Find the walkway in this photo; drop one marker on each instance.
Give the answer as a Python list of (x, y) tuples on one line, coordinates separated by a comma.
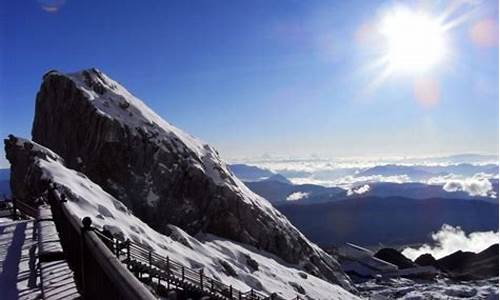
[(18, 261)]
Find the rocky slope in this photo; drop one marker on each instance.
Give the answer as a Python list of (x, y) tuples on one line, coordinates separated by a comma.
[(163, 175), (463, 265), (242, 266)]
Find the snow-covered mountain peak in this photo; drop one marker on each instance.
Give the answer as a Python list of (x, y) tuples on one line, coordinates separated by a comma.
[(162, 174), (115, 102)]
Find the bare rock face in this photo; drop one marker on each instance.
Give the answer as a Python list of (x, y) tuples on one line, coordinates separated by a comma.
[(162, 174), (26, 178)]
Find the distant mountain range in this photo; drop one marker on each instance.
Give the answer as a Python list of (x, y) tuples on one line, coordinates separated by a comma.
[(250, 173), (415, 172), (380, 212), (391, 220), (279, 190), (422, 172)]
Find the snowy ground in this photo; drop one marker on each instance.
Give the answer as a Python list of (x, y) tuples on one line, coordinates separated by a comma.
[(428, 290), (18, 277)]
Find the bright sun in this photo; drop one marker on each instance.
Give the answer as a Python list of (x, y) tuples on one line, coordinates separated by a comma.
[(413, 41)]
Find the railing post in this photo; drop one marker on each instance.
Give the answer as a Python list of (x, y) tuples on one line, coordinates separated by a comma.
[(150, 260), (128, 253), (14, 213), (201, 279), (211, 285), (116, 246), (230, 292), (239, 295), (86, 222), (168, 265), (182, 270)]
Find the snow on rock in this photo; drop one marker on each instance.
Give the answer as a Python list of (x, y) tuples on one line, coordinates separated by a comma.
[(162, 174), (252, 268)]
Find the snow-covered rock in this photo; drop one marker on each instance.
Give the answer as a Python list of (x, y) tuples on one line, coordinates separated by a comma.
[(35, 167), (162, 174)]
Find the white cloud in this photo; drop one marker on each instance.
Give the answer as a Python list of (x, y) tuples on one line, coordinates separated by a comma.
[(297, 196), (359, 190), (450, 239), (477, 185), (347, 182)]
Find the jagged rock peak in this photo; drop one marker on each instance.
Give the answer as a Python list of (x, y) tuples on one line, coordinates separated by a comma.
[(164, 175)]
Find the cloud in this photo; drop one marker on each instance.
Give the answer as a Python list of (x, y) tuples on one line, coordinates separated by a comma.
[(450, 239), (477, 185), (359, 190), (347, 182), (297, 196), (51, 6)]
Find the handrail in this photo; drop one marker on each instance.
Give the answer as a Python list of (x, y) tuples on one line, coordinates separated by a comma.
[(137, 253), (99, 274), (24, 208), (95, 260)]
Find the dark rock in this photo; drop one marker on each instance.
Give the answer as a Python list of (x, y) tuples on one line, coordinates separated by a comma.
[(252, 263), (394, 257), (228, 269), (471, 266), (297, 287), (151, 169), (426, 260)]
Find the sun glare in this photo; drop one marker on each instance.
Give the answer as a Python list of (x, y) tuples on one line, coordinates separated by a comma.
[(413, 41)]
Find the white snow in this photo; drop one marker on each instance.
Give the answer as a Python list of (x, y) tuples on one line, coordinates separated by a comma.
[(297, 196), (87, 199)]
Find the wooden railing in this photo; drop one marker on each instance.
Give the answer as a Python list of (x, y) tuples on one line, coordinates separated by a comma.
[(107, 268), (97, 271), (164, 273), (16, 209), (24, 208)]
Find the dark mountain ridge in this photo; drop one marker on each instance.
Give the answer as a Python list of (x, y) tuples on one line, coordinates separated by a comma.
[(392, 220)]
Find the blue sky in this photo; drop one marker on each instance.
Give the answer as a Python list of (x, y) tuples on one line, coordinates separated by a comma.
[(255, 77)]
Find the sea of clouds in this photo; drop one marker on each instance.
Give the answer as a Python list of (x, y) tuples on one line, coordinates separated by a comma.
[(347, 173)]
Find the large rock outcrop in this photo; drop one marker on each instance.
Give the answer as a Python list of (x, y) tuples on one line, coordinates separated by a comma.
[(36, 169), (162, 174)]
